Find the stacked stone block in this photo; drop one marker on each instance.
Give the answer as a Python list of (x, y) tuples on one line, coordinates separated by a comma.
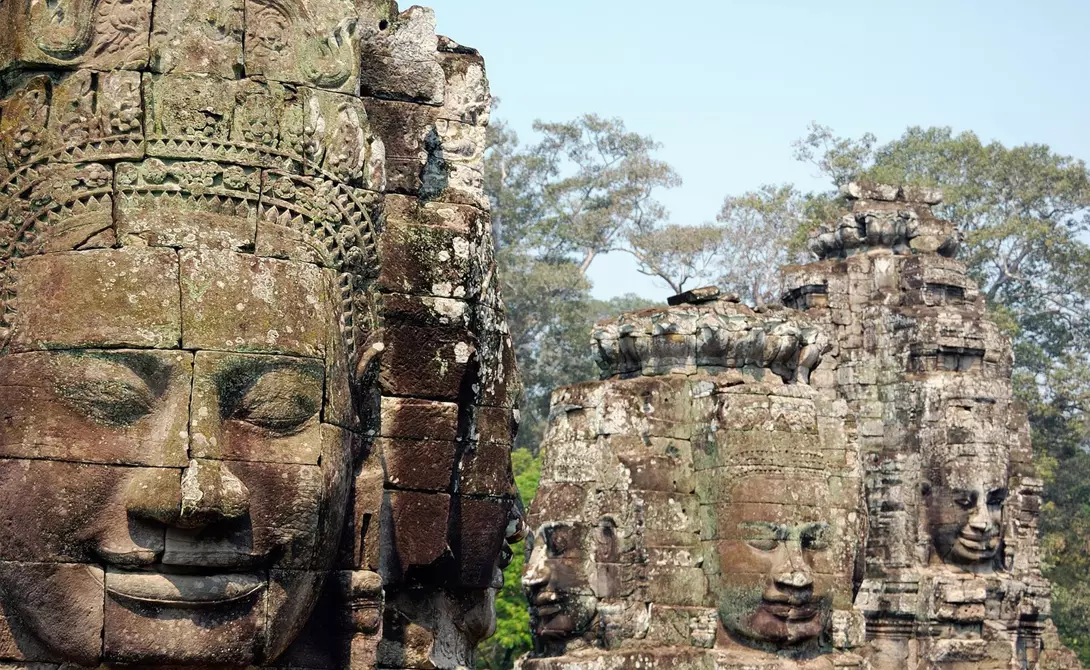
[(861, 442), (694, 399)]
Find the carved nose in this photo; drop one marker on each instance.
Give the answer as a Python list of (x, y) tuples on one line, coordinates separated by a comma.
[(211, 493), (980, 521), (537, 573)]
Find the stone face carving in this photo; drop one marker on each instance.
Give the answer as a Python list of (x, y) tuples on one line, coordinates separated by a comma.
[(864, 477), (247, 417)]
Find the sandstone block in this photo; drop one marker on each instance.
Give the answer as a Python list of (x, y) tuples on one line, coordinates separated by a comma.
[(128, 299), (232, 302)]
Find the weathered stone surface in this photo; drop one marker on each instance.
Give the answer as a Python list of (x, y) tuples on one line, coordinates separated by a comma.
[(232, 302), (417, 528), (434, 249), (140, 627), (401, 60), (187, 204), (486, 470), (202, 36), (421, 465), (103, 35), (258, 408), (209, 384), (849, 487), (317, 47), (127, 298), (96, 406), (64, 599)]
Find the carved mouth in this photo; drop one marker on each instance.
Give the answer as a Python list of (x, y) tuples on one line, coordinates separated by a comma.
[(983, 547), (545, 611), (189, 588), (791, 613)]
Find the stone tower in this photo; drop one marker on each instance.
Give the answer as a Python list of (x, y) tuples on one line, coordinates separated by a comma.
[(952, 573), (864, 476), (256, 389)]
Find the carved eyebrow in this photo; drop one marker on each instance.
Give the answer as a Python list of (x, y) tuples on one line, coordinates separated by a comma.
[(777, 530), (814, 528)]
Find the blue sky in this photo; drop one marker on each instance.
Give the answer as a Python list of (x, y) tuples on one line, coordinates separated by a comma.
[(726, 86)]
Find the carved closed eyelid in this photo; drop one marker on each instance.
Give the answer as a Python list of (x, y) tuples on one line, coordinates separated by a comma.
[(764, 536), (279, 400), (109, 390), (763, 544)]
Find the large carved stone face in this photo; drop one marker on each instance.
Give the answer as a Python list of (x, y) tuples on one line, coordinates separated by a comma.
[(560, 575), (965, 502), (782, 558), (563, 577), (172, 478)]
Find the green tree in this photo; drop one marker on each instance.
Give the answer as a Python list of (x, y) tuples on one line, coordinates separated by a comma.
[(512, 638), (586, 188), (758, 227)]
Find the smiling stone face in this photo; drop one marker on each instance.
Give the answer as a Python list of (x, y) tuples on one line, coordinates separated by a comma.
[(558, 580), (785, 516), (176, 504), (965, 511), (777, 557)]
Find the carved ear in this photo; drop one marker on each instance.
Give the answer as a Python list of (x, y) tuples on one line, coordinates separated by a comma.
[(367, 363)]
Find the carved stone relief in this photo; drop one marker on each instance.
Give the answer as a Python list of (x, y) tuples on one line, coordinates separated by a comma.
[(867, 496), (213, 408)]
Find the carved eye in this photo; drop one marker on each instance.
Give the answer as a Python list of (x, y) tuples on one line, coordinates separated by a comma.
[(815, 538), (763, 544), (280, 401), (997, 497), (105, 391), (114, 402), (965, 501)]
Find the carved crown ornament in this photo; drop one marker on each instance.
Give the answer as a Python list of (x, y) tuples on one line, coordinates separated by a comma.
[(711, 336), (886, 217), (84, 152)]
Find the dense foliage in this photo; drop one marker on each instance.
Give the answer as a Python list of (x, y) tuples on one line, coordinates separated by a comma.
[(512, 638)]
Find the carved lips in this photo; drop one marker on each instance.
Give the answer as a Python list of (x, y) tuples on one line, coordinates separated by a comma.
[(974, 546), (154, 587)]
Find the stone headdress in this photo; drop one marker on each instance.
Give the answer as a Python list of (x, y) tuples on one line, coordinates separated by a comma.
[(266, 146)]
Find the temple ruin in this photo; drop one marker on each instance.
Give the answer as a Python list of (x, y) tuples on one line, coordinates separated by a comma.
[(841, 482), (258, 397)]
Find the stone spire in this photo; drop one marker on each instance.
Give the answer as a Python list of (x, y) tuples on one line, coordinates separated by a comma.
[(951, 494)]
